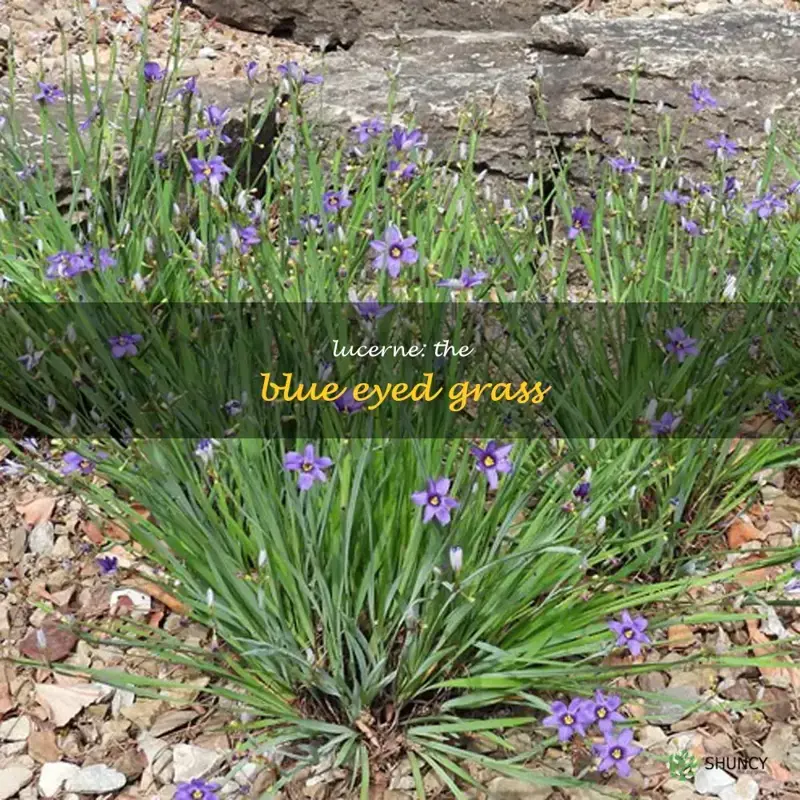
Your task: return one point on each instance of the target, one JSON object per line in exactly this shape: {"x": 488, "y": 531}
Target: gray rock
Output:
{"x": 12, "y": 780}
{"x": 712, "y": 781}
{"x": 54, "y": 775}
{"x": 16, "y": 549}
{"x": 16, "y": 729}
{"x": 675, "y": 703}
{"x": 567, "y": 84}
{"x": 96, "y": 779}
{"x": 42, "y": 539}
{"x": 779, "y": 741}
{"x": 340, "y": 22}
{"x": 511, "y": 789}
{"x": 439, "y": 74}
{"x": 191, "y": 761}
{"x": 746, "y": 58}
{"x": 745, "y": 788}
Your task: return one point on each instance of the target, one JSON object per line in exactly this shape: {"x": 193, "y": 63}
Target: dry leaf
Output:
{"x": 92, "y": 532}
{"x": 39, "y": 510}
{"x": 42, "y": 747}
{"x": 157, "y": 593}
{"x": 58, "y": 643}
{"x": 679, "y": 637}
{"x": 64, "y": 703}
{"x": 740, "y": 532}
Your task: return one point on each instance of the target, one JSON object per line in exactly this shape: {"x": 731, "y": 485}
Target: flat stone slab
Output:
{"x": 438, "y": 73}
{"x": 567, "y": 84}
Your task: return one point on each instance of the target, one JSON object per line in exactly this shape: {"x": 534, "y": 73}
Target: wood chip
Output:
{"x": 38, "y": 510}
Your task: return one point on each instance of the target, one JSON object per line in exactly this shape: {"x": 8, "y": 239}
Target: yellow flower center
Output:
{"x": 85, "y": 464}
{"x": 332, "y": 201}
{"x": 307, "y": 467}
{"x": 395, "y": 251}
{"x": 568, "y": 719}
{"x": 488, "y": 461}
{"x": 207, "y": 170}
{"x": 197, "y": 794}
{"x": 628, "y": 634}
{"x": 601, "y": 712}
{"x": 434, "y": 501}
{"x": 616, "y": 753}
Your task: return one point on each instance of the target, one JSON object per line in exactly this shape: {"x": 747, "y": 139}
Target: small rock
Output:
{"x": 779, "y": 741}
{"x": 512, "y": 789}
{"x": 42, "y": 539}
{"x": 667, "y": 712}
{"x": 122, "y": 699}
{"x": 54, "y": 775}
{"x": 172, "y": 720}
{"x": 712, "y": 781}
{"x": 137, "y": 601}
{"x": 745, "y": 789}
{"x": 193, "y": 762}
{"x": 96, "y": 779}
{"x": 207, "y": 52}
{"x": 43, "y": 748}
{"x": 650, "y": 736}
{"x": 16, "y": 729}
{"x": 12, "y": 779}
{"x": 16, "y": 549}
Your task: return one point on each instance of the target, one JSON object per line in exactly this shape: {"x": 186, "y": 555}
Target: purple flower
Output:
{"x": 160, "y": 159}
{"x": 125, "y": 344}
{"x": 569, "y": 719}
{"x": 205, "y": 449}
{"x": 466, "y": 280}
{"x": 673, "y": 197}
{"x": 296, "y": 75}
{"x": 312, "y": 223}
{"x": 370, "y": 308}
{"x": 723, "y": 146}
{"x": 493, "y": 460}
{"x": 347, "y": 403}
{"x": 403, "y": 139}
{"x": 30, "y": 360}
{"x": 233, "y": 408}
{"x": 106, "y": 259}
{"x": 794, "y": 188}
{"x": 48, "y": 93}
{"x": 308, "y": 465}
{"x": 666, "y": 425}
{"x": 394, "y": 251}
{"x": 214, "y": 170}
{"x": 196, "y": 790}
{"x": 767, "y": 205}
{"x": 153, "y": 72}
{"x": 251, "y": 70}
{"x": 93, "y": 115}
{"x": 581, "y": 221}
{"x": 67, "y": 265}
{"x": 107, "y": 564}
{"x": 616, "y": 752}
{"x": 336, "y": 201}
{"x": 779, "y": 407}
{"x": 582, "y": 491}
{"x": 792, "y": 586}
{"x": 436, "y": 501}
{"x": 602, "y": 711}
{"x": 691, "y": 227}
{"x": 702, "y": 97}
{"x": 731, "y": 186}
{"x": 622, "y": 164}
{"x": 630, "y": 632}
{"x": 680, "y": 345}
{"x": 248, "y": 238}
{"x": 401, "y": 171}
{"x": 368, "y": 129}
{"x": 188, "y": 89}
{"x": 75, "y": 462}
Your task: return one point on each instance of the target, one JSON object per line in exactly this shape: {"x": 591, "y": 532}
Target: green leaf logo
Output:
{"x": 683, "y": 765}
